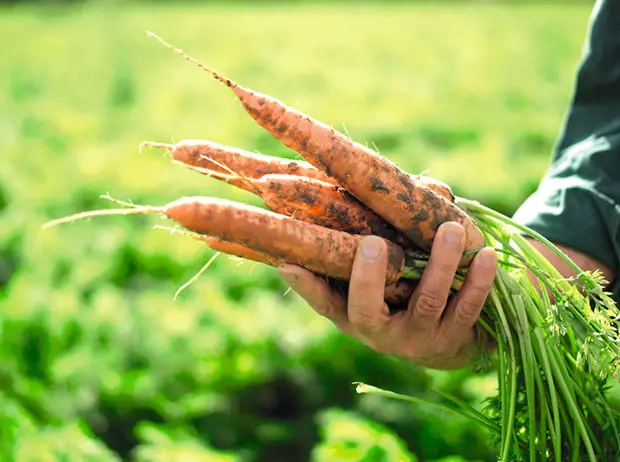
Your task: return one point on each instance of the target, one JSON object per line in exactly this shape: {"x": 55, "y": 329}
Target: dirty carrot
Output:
{"x": 376, "y": 181}
{"x": 224, "y": 159}
{"x": 320, "y": 250}
{"x": 314, "y": 201}
{"x": 438, "y": 187}
{"x": 396, "y": 295}
{"x": 230, "y": 248}
{"x": 238, "y": 250}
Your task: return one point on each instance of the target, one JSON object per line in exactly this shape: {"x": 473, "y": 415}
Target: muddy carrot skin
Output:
{"x": 438, "y": 187}
{"x": 397, "y": 295}
{"x": 320, "y": 250}
{"x": 224, "y": 159}
{"x": 238, "y": 250}
{"x": 227, "y": 159}
{"x": 316, "y": 202}
{"x": 376, "y": 181}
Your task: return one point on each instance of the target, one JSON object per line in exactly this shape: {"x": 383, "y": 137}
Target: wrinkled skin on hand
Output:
{"x": 435, "y": 330}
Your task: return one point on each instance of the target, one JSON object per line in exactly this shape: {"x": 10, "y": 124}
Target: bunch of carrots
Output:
{"x": 556, "y": 348}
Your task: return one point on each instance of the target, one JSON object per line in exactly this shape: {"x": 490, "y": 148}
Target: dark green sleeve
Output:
{"x": 578, "y": 201}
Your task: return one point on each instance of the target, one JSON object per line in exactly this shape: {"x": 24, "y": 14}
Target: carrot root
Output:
{"x": 313, "y": 201}
{"x": 195, "y": 277}
{"x": 321, "y": 250}
{"x": 409, "y": 205}
{"x": 214, "y": 73}
{"x": 152, "y": 144}
{"x": 227, "y": 159}
{"x": 137, "y": 210}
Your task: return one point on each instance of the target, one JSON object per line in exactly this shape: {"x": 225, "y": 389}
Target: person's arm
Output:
{"x": 577, "y": 204}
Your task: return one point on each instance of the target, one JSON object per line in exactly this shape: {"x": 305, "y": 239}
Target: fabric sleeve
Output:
{"x": 577, "y": 203}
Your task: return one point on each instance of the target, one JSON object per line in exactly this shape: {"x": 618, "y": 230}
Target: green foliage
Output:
{"x": 175, "y": 446}
{"x": 347, "y": 437}
{"x": 70, "y": 443}
{"x": 92, "y": 347}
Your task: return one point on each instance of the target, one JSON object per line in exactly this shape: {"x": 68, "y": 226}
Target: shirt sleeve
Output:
{"x": 577, "y": 203}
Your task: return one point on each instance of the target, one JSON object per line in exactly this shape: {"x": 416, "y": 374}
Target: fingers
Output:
{"x": 428, "y": 301}
{"x": 464, "y": 310}
{"x": 367, "y": 310}
{"x": 317, "y": 293}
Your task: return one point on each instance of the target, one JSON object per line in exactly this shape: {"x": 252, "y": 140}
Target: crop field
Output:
{"x": 97, "y": 361}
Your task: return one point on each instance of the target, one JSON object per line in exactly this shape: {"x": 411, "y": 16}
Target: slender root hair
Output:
{"x": 175, "y": 230}
{"x": 223, "y": 176}
{"x": 225, "y": 80}
{"x": 195, "y": 277}
{"x": 131, "y": 209}
{"x": 153, "y": 144}
{"x": 219, "y": 164}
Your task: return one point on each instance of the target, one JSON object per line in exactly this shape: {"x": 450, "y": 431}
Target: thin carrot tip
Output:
{"x": 153, "y": 144}
{"x": 225, "y": 80}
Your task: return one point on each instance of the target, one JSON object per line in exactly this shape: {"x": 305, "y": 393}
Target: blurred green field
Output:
{"x": 97, "y": 362}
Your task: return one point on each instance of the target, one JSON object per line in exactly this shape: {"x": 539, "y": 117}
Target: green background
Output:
{"x": 97, "y": 362}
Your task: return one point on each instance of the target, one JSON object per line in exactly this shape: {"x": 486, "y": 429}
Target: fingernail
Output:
{"x": 487, "y": 258}
{"x": 290, "y": 278}
{"x": 452, "y": 235}
{"x": 371, "y": 249}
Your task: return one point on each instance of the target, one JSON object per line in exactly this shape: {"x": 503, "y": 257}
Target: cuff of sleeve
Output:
{"x": 578, "y": 217}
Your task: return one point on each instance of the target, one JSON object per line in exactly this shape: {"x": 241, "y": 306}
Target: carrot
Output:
{"x": 376, "y": 181}
{"x": 227, "y": 247}
{"x": 223, "y": 159}
{"x": 314, "y": 201}
{"x": 320, "y": 250}
{"x": 438, "y": 187}
{"x": 396, "y": 295}
{"x": 238, "y": 250}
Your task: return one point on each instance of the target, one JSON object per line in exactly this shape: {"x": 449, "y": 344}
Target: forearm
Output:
{"x": 577, "y": 203}
{"x": 583, "y": 261}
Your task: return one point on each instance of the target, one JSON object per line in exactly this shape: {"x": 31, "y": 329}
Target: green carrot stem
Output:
{"x": 574, "y": 410}
{"x": 508, "y": 428}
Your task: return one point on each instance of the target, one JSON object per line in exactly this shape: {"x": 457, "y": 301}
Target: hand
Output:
{"x": 435, "y": 331}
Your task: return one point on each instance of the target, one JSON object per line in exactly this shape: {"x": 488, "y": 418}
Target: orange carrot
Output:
{"x": 228, "y": 247}
{"x": 224, "y": 159}
{"x": 438, "y": 187}
{"x": 316, "y": 202}
{"x": 377, "y": 182}
{"x": 320, "y": 250}
{"x": 238, "y": 250}
{"x": 396, "y": 295}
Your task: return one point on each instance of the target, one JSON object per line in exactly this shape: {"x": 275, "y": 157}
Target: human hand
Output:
{"x": 435, "y": 330}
